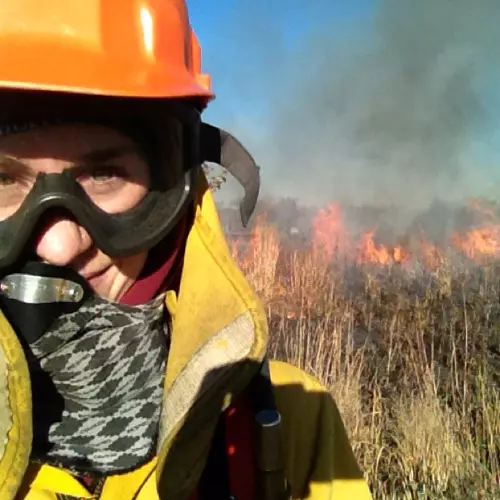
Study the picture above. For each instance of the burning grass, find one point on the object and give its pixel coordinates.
(410, 351)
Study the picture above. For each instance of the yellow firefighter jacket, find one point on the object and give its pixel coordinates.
(215, 351)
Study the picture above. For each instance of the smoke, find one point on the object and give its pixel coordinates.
(399, 107)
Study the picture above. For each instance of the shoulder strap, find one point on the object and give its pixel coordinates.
(246, 458)
(269, 453)
(214, 483)
(229, 471)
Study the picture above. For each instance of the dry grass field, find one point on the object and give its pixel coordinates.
(408, 343)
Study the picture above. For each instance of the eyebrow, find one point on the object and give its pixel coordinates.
(87, 160)
(106, 154)
(11, 163)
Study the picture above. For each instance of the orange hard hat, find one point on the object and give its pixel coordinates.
(127, 48)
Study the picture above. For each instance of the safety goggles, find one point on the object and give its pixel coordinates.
(178, 143)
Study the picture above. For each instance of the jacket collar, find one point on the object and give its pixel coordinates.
(219, 338)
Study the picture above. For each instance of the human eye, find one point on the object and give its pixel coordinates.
(6, 179)
(13, 190)
(105, 173)
(103, 177)
(14, 174)
(14, 180)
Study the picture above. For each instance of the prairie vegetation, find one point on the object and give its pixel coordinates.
(408, 344)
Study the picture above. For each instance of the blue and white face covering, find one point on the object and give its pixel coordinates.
(97, 370)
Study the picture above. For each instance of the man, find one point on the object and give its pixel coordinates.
(132, 349)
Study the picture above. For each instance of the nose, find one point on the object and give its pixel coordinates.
(61, 241)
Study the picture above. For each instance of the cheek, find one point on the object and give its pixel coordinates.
(127, 198)
(119, 277)
(126, 271)
(132, 266)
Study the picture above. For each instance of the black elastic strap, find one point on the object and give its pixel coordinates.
(219, 146)
(262, 389)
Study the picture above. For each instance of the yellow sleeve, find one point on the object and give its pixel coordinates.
(320, 461)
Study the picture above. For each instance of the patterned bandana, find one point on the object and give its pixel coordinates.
(97, 381)
(97, 374)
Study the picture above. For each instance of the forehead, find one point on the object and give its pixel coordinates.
(63, 141)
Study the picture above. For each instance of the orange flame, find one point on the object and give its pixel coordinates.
(331, 239)
(479, 242)
(369, 252)
(329, 233)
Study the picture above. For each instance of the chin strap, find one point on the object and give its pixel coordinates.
(219, 146)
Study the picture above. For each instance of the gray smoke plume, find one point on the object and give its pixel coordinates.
(399, 110)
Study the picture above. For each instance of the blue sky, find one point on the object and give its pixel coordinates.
(226, 27)
(251, 49)
(281, 70)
